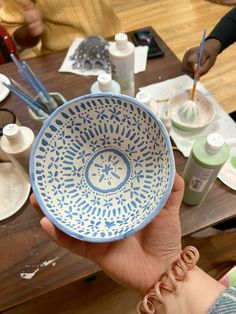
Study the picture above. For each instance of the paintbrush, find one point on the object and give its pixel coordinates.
(198, 63)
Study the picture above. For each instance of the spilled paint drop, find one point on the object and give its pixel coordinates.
(29, 275)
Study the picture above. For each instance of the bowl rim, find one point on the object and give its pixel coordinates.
(145, 221)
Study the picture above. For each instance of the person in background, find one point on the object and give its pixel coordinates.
(142, 259)
(56, 23)
(222, 36)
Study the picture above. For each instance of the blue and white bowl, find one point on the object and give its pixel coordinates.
(102, 167)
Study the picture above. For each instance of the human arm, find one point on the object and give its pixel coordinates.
(29, 34)
(195, 295)
(140, 260)
(210, 52)
(222, 36)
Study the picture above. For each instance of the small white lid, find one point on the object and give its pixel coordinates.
(214, 143)
(11, 131)
(104, 82)
(121, 40)
(144, 97)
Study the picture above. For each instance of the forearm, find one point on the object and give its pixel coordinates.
(225, 30)
(194, 295)
(183, 289)
(213, 45)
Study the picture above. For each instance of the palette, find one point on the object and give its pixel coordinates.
(228, 172)
(206, 111)
(14, 190)
(3, 90)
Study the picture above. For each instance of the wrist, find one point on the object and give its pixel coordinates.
(194, 295)
(213, 45)
(23, 39)
(185, 288)
(200, 291)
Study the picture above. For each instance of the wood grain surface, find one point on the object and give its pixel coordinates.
(22, 243)
(180, 24)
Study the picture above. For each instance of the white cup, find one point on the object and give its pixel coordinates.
(39, 120)
(6, 117)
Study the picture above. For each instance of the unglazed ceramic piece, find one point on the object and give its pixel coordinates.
(92, 53)
(14, 190)
(191, 116)
(228, 172)
(102, 167)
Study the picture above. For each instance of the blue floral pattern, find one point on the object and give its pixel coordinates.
(102, 166)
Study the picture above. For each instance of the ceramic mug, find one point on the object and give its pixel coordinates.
(6, 117)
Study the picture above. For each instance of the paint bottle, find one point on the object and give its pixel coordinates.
(105, 84)
(122, 63)
(165, 118)
(208, 155)
(145, 98)
(17, 142)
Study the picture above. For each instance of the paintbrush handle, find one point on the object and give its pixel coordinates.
(44, 95)
(201, 49)
(33, 105)
(193, 90)
(198, 62)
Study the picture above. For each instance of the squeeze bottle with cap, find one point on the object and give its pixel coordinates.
(105, 84)
(145, 98)
(17, 142)
(208, 155)
(122, 63)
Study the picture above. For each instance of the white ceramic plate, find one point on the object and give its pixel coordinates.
(228, 172)
(14, 190)
(3, 90)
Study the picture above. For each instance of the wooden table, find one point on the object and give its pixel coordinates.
(24, 247)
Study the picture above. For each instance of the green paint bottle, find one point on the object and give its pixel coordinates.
(208, 155)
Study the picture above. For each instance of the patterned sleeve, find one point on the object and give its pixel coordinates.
(226, 303)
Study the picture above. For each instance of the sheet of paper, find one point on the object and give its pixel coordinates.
(140, 57)
(67, 65)
(222, 124)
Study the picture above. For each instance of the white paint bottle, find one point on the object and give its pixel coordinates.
(105, 84)
(122, 63)
(145, 98)
(17, 142)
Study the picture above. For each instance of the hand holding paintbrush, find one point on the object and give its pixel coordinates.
(198, 64)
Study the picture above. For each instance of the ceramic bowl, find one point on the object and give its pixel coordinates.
(205, 108)
(102, 167)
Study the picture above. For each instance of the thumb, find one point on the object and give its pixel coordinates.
(176, 196)
(204, 68)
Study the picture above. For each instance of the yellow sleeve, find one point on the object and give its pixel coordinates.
(10, 15)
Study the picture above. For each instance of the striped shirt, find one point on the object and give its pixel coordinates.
(226, 303)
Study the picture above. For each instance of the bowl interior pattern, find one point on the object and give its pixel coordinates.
(102, 167)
